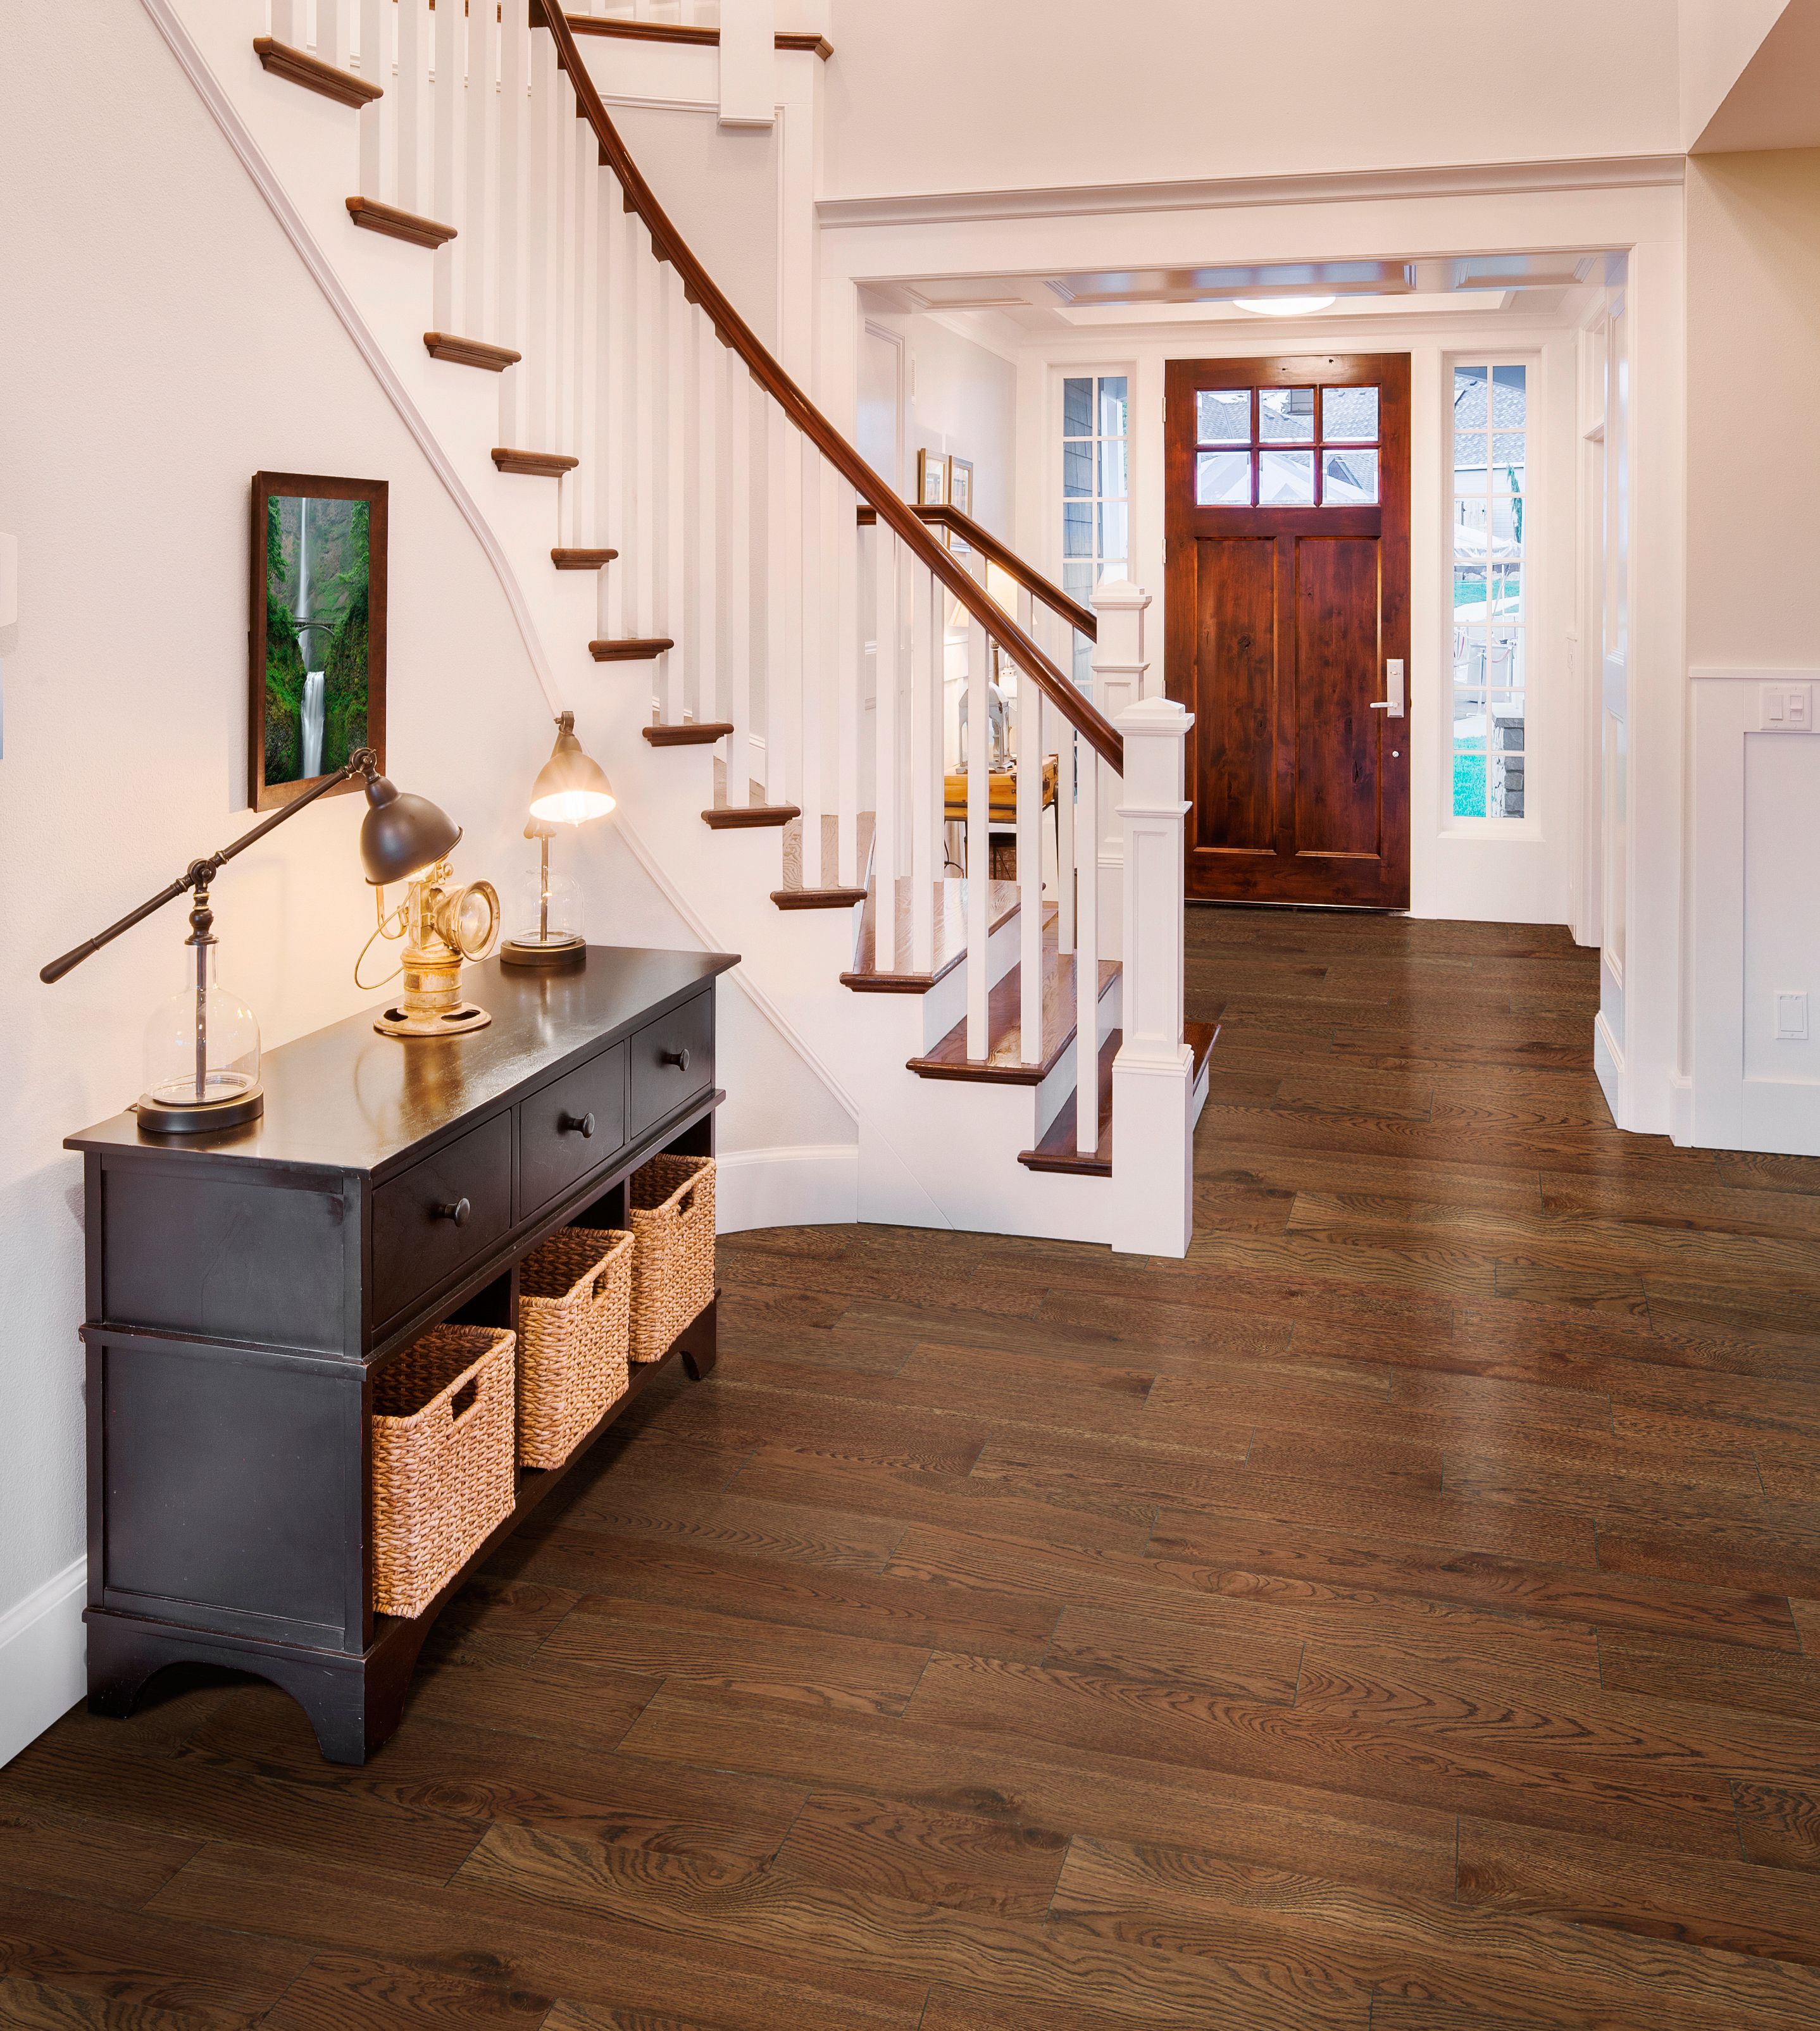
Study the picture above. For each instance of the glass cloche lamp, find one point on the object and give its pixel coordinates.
(202, 1046)
(571, 789)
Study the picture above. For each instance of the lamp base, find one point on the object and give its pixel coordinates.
(399, 1021)
(197, 1117)
(564, 948)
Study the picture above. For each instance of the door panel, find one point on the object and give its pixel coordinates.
(1289, 590)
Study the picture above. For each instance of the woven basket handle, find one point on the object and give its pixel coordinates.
(685, 1199)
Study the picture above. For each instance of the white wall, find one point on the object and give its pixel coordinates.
(951, 94)
(1718, 37)
(1754, 508)
(961, 397)
(166, 343)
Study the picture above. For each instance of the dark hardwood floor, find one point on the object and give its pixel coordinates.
(1403, 1613)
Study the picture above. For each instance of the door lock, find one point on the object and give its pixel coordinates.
(1392, 701)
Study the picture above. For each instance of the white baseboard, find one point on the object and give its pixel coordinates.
(814, 1184)
(1609, 1067)
(42, 1655)
(1681, 1110)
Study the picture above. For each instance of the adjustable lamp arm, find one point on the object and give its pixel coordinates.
(201, 874)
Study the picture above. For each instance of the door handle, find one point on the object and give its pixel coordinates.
(456, 1210)
(1392, 701)
(578, 1125)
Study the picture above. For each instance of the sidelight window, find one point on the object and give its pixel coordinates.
(1490, 535)
(1096, 491)
(1286, 447)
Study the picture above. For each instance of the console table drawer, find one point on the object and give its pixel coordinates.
(570, 1127)
(672, 1059)
(440, 1214)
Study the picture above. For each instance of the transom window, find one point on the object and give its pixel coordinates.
(1286, 447)
(1490, 432)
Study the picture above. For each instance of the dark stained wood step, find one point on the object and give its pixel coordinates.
(1056, 1150)
(817, 899)
(534, 465)
(299, 67)
(691, 733)
(630, 648)
(565, 560)
(410, 226)
(470, 351)
(1004, 1061)
(740, 817)
(899, 975)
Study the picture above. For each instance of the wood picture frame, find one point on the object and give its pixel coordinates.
(317, 543)
(931, 478)
(961, 484)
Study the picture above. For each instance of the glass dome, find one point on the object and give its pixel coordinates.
(202, 1056)
(545, 920)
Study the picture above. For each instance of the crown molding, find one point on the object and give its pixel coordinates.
(1340, 187)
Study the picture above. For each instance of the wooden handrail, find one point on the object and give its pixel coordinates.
(675, 31)
(1083, 619)
(900, 516)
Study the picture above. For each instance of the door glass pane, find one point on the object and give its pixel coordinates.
(1223, 479)
(1112, 470)
(1506, 592)
(1114, 524)
(1349, 415)
(1504, 666)
(1077, 529)
(1286, 415)
(1510, 387)
(1077, 408)
(1505, 789)
(1349, 479)
(1469, 461)
(1112, 405)
(1468, 594)
(1223, 415)
(1469, 398)
(1469, 655)
(1286, 479)
(1077, 469)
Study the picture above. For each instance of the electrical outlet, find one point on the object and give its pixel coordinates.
(1792, 1018)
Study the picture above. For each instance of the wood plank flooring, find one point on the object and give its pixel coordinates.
(1403, 1613)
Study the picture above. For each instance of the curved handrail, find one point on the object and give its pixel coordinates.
(702, 289)
(1083, 619)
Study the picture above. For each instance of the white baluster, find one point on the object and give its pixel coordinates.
(379, 116)
(512, 265)
(887, 559)
(815, 577)
(542, 332)
(1067, 884)
(678, 665)
(733, 498)
(288, 22)
(618, 366)
(1030, 752)
(1119, 665)
(334, 25)
(448, 148)
(581, 490)
(849, 678)
(928, 848)
(978, 766)
(476, 318)
(1087, 954)
(1153, 1076)
(413, 87)
(784, 674)
(643, 534)
(704, 515)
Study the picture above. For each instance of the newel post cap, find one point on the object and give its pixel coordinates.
(1119, 595)
(1153, 718)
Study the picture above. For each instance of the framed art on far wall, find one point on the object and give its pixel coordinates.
(961, 484)
(931, 478)
(316, 688)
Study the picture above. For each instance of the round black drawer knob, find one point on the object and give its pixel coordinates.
(456, 1210)
(679, 1059)
(578, 1125)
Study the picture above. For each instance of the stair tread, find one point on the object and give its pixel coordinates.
(460, 351)
(690, 733)
(900, 976)
(1003, 1059)
(538, 464)
(574, 560)
(397, 224)
(732, 817)
(1056, 1150)
(630, 648)
(817, 899)
(299, 67)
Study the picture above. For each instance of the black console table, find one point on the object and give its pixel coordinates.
(244, 1288)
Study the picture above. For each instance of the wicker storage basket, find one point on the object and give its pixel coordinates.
(574, 1299)
(673, 1267)
(442, 1473)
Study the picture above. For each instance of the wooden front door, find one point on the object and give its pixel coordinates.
(1288, 521)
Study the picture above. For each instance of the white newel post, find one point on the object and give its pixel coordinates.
(748, 63)
(1153, 1076)
(1119, 665)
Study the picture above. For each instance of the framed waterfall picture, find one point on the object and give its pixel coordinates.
(317, 688)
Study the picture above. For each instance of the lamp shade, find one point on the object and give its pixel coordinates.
(402, 835)
(571, 787)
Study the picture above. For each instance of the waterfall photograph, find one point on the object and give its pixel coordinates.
(319, 654)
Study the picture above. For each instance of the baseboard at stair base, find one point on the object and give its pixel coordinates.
(42, 1651)
(812, 1184)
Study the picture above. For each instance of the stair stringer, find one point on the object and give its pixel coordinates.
(931, 1153)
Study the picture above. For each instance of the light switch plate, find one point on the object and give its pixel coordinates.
(1787, 709)
(1791, 1017)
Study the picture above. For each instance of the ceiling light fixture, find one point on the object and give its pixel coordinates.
(1283, 306)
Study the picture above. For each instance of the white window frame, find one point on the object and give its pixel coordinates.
(1535, 511)
(1055, 464)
